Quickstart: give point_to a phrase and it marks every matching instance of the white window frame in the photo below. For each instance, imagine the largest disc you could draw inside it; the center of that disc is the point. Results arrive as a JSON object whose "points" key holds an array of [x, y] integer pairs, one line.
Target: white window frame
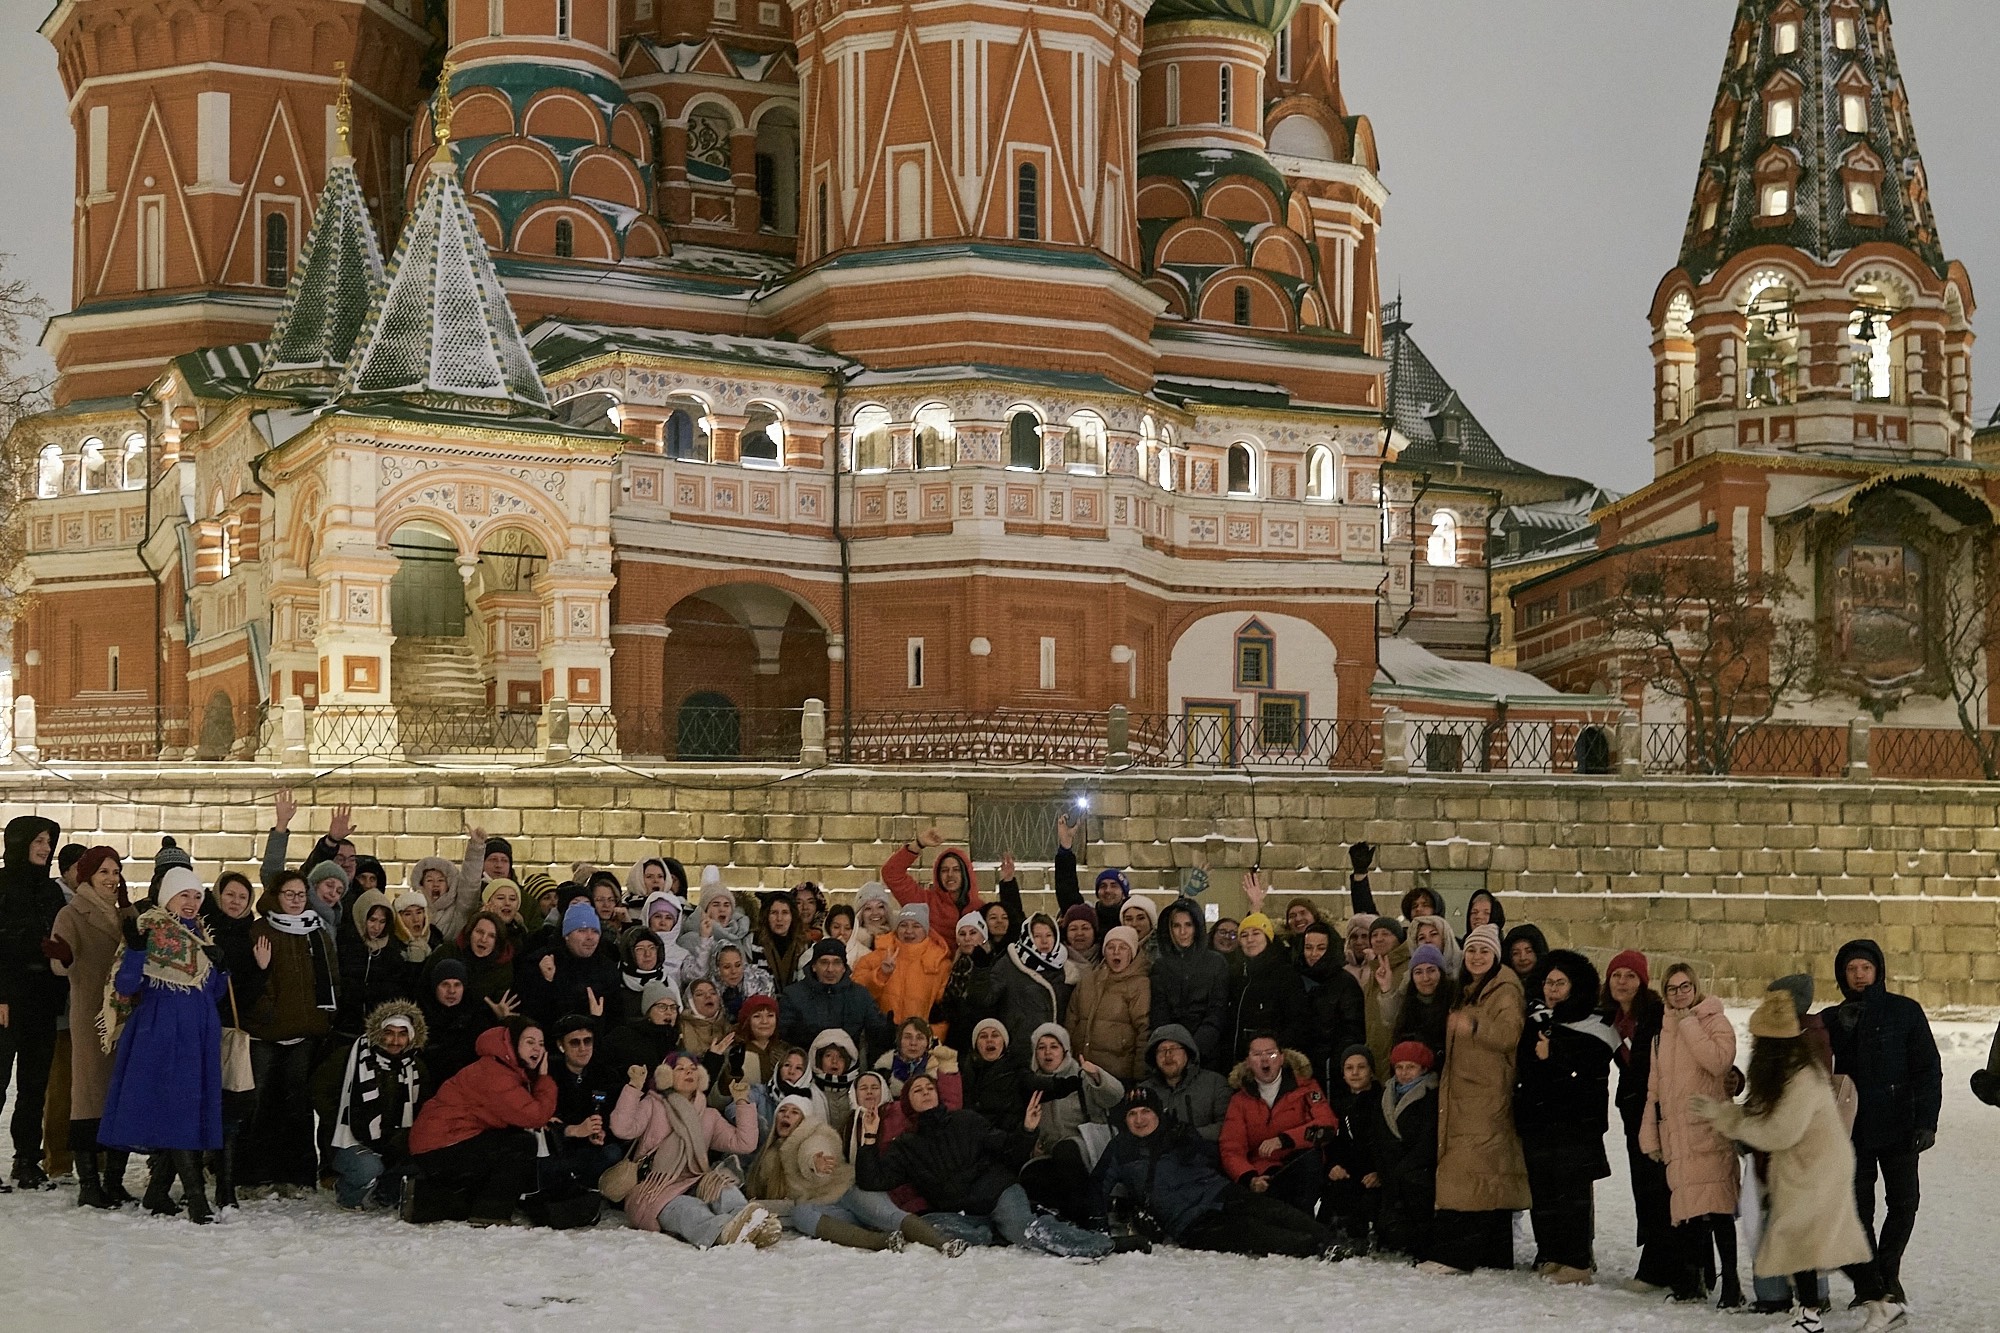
{"points": [[913, 661], [1048, 663]]}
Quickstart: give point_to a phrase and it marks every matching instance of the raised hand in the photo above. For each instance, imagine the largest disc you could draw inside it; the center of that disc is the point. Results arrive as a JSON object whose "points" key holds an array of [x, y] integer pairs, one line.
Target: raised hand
{"points": [[871, 1120], [1031, 1119], [283, 807], [636, 1076], [930, 837], [594, 1002], [1007, 867], [888, 968], [721, 1045], [261, 951], [1065, 832], [507, 1006], [548, 967], [341, 824], [1255, 889], [823, 1163]]}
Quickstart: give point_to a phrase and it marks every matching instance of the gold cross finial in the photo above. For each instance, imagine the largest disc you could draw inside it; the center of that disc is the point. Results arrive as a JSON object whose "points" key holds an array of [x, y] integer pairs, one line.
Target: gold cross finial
{"points": [[343, 112], [441, 114]]}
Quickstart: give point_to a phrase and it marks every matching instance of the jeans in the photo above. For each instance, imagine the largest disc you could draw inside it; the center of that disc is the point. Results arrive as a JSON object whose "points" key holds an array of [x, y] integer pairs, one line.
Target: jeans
{"points": [[29, 1042], [700, 1223], [860, 1207], [1780, 1289], [359, 1169], [1900, 1195]]}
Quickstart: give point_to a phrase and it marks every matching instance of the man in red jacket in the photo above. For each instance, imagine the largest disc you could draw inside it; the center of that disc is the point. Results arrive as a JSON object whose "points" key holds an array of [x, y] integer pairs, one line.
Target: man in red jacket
{"points": [[471, 1146], [953, 892], [1276, 1121]]}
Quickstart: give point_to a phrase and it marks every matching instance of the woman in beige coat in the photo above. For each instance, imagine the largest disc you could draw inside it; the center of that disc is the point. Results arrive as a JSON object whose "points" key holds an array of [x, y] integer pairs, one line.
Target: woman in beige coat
{"points": [[1790, 1113], [1110, 1011], [1692, 1057], [1481, 1174], [88, 928]]}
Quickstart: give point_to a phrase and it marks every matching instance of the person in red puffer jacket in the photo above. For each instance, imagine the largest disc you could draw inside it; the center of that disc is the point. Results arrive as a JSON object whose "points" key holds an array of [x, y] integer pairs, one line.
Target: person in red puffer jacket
{"points": [[954, 889], [471, 1147], [1275, 1124]]}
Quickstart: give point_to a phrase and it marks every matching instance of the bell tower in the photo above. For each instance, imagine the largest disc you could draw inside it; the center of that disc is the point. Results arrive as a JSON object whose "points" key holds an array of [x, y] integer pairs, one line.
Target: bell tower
{"points": [[203, 138]]}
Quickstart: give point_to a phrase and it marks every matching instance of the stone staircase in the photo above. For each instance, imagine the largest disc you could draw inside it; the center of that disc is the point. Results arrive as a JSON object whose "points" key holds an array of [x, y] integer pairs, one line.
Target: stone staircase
{"points": [[436, 672]]}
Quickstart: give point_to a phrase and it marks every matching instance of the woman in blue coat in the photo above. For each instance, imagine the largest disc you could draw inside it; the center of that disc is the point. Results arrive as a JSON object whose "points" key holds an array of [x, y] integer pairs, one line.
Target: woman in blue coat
{"points": [[166, 1085]]}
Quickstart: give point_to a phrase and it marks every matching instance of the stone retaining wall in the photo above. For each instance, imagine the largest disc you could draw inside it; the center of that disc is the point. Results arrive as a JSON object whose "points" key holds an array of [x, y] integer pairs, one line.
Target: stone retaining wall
{"points": [[1748, 879]]}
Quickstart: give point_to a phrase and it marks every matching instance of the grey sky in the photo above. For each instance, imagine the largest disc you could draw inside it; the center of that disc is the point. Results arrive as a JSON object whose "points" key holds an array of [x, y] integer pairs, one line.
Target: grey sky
{"points": [[1540, 156]]}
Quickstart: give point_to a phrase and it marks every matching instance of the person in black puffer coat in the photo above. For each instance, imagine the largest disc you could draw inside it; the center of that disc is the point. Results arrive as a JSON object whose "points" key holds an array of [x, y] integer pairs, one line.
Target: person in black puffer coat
{"points": [[1635, 1011], [576, 975], [1268, 997], [993, 1076], [1883, 1042], [1336, 1011], [651, 1037], [1191, 981], [1562, 1089], [1401, 1132], [32, 995], [454, 1017]]}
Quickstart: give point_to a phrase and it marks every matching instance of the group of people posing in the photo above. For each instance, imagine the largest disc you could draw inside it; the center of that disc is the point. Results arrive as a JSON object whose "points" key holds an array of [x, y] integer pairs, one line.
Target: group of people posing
{"points": [[934, 1066]]}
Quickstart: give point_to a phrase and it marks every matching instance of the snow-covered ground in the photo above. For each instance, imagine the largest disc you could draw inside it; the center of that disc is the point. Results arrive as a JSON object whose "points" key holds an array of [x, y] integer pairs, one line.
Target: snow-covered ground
{"points": [[308, 1266]]}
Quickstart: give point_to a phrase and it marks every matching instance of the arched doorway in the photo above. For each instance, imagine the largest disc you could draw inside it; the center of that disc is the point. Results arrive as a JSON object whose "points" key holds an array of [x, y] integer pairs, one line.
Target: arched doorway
{"points": [[739, 663], [426, 597]]}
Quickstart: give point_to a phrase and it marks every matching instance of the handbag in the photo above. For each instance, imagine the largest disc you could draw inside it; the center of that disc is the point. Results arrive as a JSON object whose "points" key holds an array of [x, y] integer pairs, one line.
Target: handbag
{"points": [[237, 1074], [622, 1176]]}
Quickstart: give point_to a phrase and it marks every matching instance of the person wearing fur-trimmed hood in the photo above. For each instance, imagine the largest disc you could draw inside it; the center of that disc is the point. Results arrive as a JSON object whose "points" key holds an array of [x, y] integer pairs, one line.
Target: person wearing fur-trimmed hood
{"points": [[1562, 1091], [381, 1086], [804, 1170], [1277, 1119]]}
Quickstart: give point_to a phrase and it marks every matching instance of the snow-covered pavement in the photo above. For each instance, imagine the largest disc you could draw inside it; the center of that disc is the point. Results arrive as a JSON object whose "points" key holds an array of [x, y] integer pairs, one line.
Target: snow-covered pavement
{"points": [[308, 1266]]}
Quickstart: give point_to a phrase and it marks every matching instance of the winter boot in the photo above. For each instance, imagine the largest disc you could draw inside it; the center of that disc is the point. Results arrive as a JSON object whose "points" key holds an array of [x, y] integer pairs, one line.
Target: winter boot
{"points": [[225, 1173], [1805, 1319], [919, 1229], [1884, 1316], [853, 1237], [159, 1199], [1133, 1244], [113, 1174], [752, 1225], [89, 1188], [1690, 1286], [1052, 1235], [1732, 1293], [194, 1187], [30, 1176]]}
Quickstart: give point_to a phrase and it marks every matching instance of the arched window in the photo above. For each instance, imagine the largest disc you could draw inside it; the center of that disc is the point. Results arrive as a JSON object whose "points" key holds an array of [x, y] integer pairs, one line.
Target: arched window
{"points": [[763, 438], [1854, 112], [1083, 444], [565, 239], [1873, 346], [1168, 467], [1225, 88], [1240, 304], [90, 467], [936, 437], [49, 472], [1024, 441], [1320, 474], [871, 439], [909, 200], [1771, 343], [1776, 200], [1781, 117], [1241, 470], [134, 475], [778, 172], [277, 249], [1442, 549], [687, 429], [1027, 203], [1785, 37]]}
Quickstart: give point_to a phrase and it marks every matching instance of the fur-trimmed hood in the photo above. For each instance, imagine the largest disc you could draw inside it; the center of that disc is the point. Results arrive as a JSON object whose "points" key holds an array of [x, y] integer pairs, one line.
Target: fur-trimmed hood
{"points": [[795, 1154], [378, 1019], [1296, 1064]]}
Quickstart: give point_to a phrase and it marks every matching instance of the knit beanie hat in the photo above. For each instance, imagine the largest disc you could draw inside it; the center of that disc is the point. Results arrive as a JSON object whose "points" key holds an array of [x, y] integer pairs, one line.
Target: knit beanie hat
{"points": [[657, 992], [1800, 987], [756, 1004], [1081, 912], [1392, 925], [1144, 904], [502, 846], [917, 912], [407, 898], [993, 1023], [1141, 1098], [1634, 961], [1427, 953], [1778, 1016], [580, 916], [1488, 935], [1357, 1049], [1258, 922], [493, 886], [1123, 934], [449, 970], [93, 861], [170, 854], [829, 948], [1056, 1030], [1115, 877], [178, 879], [873, 889], [977, 921], [1412, 1052]]}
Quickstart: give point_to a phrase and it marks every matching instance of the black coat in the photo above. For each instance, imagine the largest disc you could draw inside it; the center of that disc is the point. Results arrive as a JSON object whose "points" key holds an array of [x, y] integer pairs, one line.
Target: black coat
{"points": [[1634, 1060], [239, 960], [369, 977], [1191, 986], [1883, 1042], [640, 1042], [29, 901], [550, 1001], [448, 1046], [957, 1160], [1561, 1104], [1269, 996], [1405, 1157], [1336, 1015], [1171, 1173], [808, 1008], [997, 1089], [577, 1094]]}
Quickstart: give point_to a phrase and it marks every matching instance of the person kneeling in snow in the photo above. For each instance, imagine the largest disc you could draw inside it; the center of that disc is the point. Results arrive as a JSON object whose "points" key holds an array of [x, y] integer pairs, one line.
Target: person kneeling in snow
{"points": [[380, 1088], [1163, 1169], [472, 1146], [673, 1130], [962, 1165]]}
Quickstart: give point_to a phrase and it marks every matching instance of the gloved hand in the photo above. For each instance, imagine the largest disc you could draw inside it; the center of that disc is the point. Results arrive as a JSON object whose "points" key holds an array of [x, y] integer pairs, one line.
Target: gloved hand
{"points": [[57, 950], [215, 956], [1926, 1140], [135, 938], [1361, 855]]}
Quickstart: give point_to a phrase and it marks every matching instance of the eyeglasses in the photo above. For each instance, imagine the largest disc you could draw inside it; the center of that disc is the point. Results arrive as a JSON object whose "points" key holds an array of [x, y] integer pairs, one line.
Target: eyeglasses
{"points": [[1681, 988], [579, 1041]]}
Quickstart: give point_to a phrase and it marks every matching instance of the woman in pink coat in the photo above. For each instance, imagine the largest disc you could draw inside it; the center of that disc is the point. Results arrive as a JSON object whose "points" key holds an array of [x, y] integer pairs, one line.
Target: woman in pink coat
{"points": [[673, 1130], [1692, 1057]]}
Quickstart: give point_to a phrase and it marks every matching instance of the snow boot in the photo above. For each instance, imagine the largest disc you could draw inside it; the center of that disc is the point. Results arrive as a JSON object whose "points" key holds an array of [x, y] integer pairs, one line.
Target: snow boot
{"points": [[852, 1236], [30, 1176], [1805, 1319], [1052, 1235], [1690, 1286], [1732, 1293], [112, 1171], [225, 1173], [1884, 1316], [89, 1187], [752, 1225], [920, 1230], [194, 1187], [159, 1198]]}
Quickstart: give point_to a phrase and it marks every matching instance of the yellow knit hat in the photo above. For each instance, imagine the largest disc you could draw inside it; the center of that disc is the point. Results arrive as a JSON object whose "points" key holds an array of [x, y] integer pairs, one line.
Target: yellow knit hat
{"points": [[1257, 921]]}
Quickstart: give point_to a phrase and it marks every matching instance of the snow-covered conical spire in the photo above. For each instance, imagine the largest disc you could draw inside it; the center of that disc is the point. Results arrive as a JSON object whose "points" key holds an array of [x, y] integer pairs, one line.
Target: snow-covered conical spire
{"points": [[339, 270], [1810, 144], [441, 333]]}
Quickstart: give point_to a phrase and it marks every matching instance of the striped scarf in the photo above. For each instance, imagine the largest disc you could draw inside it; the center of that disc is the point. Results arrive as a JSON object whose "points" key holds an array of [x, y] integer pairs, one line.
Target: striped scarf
{"points": [[362, 1103]]}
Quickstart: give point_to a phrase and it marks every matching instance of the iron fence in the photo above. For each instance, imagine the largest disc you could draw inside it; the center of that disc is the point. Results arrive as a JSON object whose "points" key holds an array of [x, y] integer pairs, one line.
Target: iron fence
{"points": [[709, 734], [1773, 750], [1000, 737], [1928, 752], [129, 732], [421, 729], [1194, 740]]}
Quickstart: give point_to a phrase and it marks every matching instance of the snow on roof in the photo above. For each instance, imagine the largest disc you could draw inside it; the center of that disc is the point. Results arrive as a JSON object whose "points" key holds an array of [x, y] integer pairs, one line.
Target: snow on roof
{"points": [[1410, 666]]}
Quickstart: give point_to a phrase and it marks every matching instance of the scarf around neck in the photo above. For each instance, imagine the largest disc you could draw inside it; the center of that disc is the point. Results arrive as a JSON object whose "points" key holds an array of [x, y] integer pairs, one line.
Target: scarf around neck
{"points": [[1052, 961], [301, 923], [174, 961]]}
